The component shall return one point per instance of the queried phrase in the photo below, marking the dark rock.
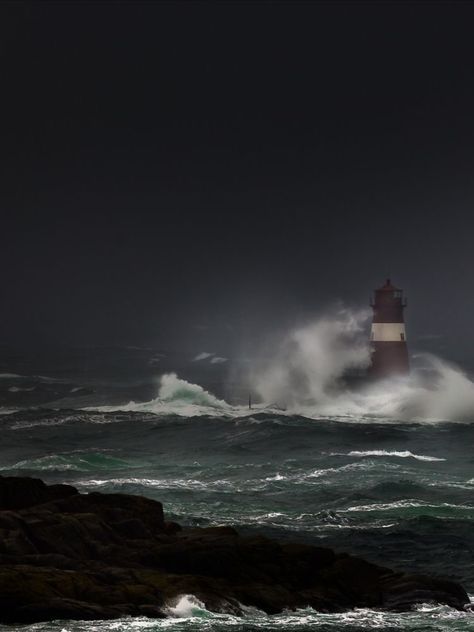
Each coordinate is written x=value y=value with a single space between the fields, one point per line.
x=65 y=555
x=132 y=528
x=115 y=508
x=170 y=528
x=153 y=612
x=402 y=592
x=58 y=608
x=19 y=492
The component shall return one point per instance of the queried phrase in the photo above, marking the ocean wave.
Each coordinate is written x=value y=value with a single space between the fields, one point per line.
x=39 y=378
x=178 y=397
x=187 y=606
x=7 y=411
x=76 y=461
x=164 y=484
x=409 y=503
x=402 y=454
x=32 y=417
x=366 y=465
x=306 y=371
x=449 y=396
x=160 y=483
x=189 y=614
x=239 y=485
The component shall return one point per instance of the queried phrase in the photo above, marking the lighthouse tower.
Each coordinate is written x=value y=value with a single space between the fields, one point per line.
x=390 y=353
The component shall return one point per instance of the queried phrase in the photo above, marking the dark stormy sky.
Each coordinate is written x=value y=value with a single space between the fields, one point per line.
x=192 y=175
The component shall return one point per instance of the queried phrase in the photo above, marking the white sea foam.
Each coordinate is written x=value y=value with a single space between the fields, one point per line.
x=303 y=367
x=8 y=411
x=189 y=613
x=221 y=484
x=77 y=461
x=364 y=465
x=305 y=371
x=403 y=454
x=408 y=503
x=179 y=397
x=157 y=483
x=186 y=607
x=17 y=376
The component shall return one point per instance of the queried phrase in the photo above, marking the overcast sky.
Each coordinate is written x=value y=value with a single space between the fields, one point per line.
x=194 y=175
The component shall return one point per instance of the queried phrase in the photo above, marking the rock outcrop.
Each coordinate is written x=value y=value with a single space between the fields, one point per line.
x=65 y=555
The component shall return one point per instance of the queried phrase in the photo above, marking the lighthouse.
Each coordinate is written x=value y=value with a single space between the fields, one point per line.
x=388 y=338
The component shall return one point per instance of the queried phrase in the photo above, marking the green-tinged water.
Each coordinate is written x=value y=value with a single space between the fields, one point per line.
x=400 y=494
x=194 y=618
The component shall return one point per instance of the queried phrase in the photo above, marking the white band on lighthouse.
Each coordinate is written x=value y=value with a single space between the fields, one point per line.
x=388 y=332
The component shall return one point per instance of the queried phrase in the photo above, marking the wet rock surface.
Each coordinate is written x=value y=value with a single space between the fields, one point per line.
x=65 y=555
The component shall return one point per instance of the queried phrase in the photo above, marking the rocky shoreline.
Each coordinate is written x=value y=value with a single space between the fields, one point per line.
x=66 y=555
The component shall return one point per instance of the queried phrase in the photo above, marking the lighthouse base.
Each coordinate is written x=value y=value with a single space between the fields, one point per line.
x=389 y=358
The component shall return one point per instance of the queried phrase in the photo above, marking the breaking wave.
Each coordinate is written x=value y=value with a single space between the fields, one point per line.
x=178 y=397
x=189 y=614
x=447 y=394
x=403 y=454
x=435 y=391
x=306 y=374
x=307 y=371
x=187 y=606
x=74 y=462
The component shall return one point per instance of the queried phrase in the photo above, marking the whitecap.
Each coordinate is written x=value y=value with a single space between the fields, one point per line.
x=187 y=606
x=403 y=454
x=178 y=397
x=404 y=504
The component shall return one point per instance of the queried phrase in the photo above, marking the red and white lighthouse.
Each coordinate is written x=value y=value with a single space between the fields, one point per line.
x=388 y=337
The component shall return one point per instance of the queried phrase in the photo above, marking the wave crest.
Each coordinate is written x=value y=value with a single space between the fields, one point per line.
x=178 y=397
x=403 y=454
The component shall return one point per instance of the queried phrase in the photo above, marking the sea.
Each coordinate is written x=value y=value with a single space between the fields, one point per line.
x=378 y=474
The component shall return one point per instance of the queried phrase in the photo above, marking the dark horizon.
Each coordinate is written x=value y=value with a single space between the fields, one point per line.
x=197 y=175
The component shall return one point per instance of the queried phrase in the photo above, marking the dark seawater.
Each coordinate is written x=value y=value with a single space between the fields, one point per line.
x=398 y=493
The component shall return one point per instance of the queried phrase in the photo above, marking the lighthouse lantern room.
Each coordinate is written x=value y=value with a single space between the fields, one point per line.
x=388 y=337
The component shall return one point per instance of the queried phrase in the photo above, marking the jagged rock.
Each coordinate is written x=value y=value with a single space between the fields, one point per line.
x=18 y=492
x=88 y=556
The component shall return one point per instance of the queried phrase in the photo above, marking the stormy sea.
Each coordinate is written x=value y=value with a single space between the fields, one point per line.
x=384 y=472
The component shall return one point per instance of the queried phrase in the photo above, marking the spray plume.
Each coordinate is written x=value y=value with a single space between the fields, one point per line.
x=306 y=369
x=306 y=366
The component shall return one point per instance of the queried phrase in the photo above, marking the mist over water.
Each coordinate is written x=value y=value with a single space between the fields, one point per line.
x=306 y=371
x=316 y=371
x=306 y=365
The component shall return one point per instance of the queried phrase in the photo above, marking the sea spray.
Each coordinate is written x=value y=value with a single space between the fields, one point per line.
x=187 y=606
x=307 y=363
x=434 y=391
x=180 y=397
x=304 y=373
x=172 y=389
x=446 y=394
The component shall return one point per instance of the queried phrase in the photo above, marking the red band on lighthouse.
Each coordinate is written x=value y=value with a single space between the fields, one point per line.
x=388 y=337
